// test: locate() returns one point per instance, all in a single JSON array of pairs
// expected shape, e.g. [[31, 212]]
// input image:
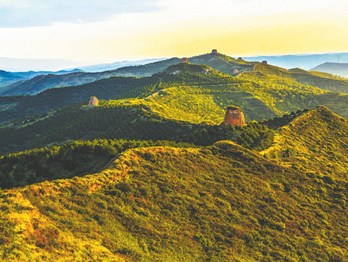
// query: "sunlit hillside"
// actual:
[[217, 203]]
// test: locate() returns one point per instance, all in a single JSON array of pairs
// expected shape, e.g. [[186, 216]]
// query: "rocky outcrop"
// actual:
[[234, 116], [235, 71]]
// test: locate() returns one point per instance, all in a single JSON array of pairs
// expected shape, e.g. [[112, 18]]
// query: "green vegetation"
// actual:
[[266, 91], [161, 107], [316, 79], [151, 174], [78, 158], [217, 203]]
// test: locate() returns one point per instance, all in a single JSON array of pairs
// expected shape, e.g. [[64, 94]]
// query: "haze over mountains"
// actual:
[[304, 61], [340, 69], [22, 65], [19, 83]]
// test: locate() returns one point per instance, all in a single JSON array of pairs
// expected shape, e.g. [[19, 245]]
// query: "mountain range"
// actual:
[[151, 173], [305, 61], [147, 67], [42, 82]]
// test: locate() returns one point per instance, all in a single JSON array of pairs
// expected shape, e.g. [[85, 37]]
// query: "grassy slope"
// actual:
[[219, 203], [284, 90], [316, 141]]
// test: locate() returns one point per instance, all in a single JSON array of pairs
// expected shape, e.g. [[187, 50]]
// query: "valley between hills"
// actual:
[[151, 172]]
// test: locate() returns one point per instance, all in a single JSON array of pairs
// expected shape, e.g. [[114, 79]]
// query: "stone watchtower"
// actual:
[[93, 101], [214, 51], [184, 60], [234, 116]]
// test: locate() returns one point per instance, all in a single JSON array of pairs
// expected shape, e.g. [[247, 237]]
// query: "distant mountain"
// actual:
[[147, 69], [19, 64], [340, 69], [8, 78], [40, 83], [223, 63], [113, 66], [302, 61]]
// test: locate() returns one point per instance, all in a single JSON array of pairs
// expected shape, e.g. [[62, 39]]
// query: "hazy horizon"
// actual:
[[107, 32], [20, 65]]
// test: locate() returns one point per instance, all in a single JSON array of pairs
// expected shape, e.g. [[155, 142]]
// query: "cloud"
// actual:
[[33, 13]]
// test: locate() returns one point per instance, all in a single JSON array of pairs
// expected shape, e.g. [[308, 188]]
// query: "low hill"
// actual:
[[217, 203], [340, 69]]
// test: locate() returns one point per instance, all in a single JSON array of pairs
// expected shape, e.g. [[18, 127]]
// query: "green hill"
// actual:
[[217, 203]]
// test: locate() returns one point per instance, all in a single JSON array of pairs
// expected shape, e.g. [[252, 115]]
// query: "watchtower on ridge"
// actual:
[[184, 60]]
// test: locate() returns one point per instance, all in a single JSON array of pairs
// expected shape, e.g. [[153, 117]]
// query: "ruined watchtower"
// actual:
[[214, 51], [234, 116], [184, 60], [264, 62], [93, 101]]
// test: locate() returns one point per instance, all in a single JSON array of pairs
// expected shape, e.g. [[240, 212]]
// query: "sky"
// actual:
[[105, 31]]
